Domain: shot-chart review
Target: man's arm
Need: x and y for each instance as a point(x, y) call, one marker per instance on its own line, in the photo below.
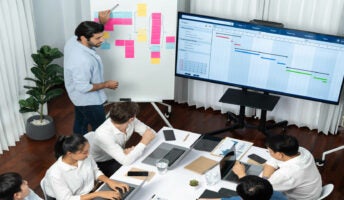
point(147, 136)
point(107, 84)
point(268, 170)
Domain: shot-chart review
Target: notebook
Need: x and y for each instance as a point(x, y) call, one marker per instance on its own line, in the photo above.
point(222, 193)
point(125, 195)
point(227, 163)
point(171, 152)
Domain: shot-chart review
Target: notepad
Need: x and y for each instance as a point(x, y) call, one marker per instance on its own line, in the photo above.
point(241, 147)
point(201, 165)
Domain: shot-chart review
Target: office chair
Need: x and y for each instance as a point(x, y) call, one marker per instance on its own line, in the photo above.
point(46, 197)
point(326, 190)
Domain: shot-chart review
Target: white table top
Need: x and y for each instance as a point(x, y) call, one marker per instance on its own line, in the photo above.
point(174, 185)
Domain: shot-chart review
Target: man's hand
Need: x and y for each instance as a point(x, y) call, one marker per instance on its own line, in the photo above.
point(128, 150)
point(147, 136)
point(239, 169)
point(111, 84)
point(104, 16)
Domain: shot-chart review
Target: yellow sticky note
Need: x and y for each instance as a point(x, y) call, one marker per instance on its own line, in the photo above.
point(142, 10)
point(142, 35)
point(106, 35)
point(155, 60)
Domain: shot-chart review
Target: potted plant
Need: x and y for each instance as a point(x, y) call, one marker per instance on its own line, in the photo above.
point(46, 76)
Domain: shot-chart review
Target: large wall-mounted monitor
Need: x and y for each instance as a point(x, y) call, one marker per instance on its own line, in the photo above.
point(275, 60)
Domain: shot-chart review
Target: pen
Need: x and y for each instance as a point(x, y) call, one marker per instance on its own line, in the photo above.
point(113, 8)
point(152, 196)
point(186, 137)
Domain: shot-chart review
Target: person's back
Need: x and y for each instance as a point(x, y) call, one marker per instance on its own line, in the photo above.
point(296, 174)
point(300, 172)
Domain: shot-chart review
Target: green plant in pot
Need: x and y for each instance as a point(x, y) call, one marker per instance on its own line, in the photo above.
point(46, 76)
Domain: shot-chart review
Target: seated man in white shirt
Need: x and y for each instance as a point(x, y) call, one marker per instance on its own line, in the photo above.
point(291, 169)
point(13, 187)
point(108, 146)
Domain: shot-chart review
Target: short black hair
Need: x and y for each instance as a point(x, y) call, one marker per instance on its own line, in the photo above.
point(10, 183)
point(252, 187)
point(87, 29)
point(121, 112)
point(286, 144)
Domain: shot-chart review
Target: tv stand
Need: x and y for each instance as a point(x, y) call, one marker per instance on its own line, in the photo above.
point(244, 98)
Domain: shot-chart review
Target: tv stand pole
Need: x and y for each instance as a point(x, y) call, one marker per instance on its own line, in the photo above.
point(244, 98)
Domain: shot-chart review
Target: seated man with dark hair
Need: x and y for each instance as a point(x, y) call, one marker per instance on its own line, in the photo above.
point(253, 187)
point(13, 187)
point(290, 170)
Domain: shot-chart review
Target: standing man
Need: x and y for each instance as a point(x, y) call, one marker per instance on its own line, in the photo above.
point(83, 74)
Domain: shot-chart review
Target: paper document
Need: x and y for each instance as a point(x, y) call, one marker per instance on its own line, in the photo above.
point(241, 147)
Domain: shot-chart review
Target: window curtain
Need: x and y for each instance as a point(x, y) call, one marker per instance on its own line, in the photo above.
point(313, 15)
point(17, 43)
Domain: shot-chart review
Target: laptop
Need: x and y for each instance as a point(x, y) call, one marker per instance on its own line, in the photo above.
point(125, 195)
point(173, 153)
point(227, 163)
point(206, 143)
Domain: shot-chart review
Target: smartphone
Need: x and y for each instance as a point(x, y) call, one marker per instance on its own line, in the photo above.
point(137, 173)
point(257, 158)
point(169, 135)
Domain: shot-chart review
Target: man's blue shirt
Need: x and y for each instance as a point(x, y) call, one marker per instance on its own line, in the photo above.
point(82, 68)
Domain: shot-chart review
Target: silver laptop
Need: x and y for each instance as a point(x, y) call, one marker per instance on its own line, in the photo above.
point(227, 163)
point(125, 195)
point(173, 153)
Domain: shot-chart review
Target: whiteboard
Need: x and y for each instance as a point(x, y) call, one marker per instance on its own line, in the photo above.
point(139, 48)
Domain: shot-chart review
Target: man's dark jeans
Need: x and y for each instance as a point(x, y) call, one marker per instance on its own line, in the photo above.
point(84, 115)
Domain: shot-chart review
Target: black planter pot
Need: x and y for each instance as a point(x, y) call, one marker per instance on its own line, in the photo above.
point(43, 132)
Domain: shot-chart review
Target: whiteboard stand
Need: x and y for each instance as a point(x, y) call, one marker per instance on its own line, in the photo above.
point(167, 115)
point(321, 162)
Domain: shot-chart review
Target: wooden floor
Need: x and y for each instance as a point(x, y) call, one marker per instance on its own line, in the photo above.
point(32, 158)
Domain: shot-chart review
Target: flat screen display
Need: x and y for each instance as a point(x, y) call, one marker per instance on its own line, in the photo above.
point(265, 58)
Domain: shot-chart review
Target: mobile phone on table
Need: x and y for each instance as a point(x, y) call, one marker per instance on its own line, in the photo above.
point(257, 158)
point(169, 135)
point(137, 173)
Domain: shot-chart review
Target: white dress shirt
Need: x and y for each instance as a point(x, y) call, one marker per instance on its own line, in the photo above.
point(67, 182)
point(298, 178)
point(32, 196)
point(109, 142)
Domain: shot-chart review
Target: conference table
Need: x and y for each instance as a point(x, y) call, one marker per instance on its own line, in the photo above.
point(174, 185)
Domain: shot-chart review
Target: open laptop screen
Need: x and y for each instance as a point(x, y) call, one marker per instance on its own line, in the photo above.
point(227, 162)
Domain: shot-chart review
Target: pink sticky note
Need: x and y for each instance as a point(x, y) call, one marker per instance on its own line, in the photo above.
point(170, 39)
point(129, 52)
point(155, 54)
point(129, 43)
point(119, 42)
point(156, 15)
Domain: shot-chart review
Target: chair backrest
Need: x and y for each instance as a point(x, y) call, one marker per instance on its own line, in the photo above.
point(46, 197)
point(326, 190)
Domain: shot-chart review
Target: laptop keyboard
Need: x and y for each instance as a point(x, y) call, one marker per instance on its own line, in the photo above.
point(125, 194)
point(173, 155)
